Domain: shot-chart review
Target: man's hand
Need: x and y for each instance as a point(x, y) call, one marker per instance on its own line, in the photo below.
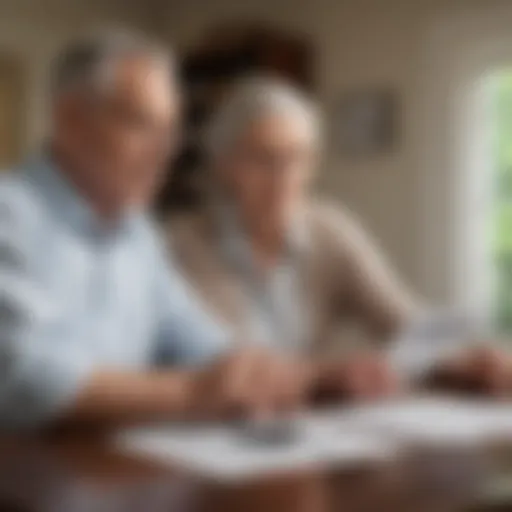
point(483, 370)
point(249, 382)
point(364, 376)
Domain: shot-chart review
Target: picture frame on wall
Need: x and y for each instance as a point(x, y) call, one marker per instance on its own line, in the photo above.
point(366, 123)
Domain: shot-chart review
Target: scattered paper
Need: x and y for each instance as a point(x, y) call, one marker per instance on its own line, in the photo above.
point(438, 421)
point(342, 437)
point(223, 453)
point(432, 338)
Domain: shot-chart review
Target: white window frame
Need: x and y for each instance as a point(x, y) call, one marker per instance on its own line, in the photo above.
point(453, 187)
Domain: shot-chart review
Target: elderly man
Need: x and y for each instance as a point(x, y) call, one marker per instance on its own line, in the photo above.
point(93, 326)
point(280, 266)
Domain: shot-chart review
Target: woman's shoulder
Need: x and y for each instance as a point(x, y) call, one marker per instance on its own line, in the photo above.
point(186, 225)
point(188, 235)
point(329, 219)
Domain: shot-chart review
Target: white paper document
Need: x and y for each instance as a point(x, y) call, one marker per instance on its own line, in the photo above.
point(342, 438)
point(224, 453)
point(439, 421)
point(432, 338)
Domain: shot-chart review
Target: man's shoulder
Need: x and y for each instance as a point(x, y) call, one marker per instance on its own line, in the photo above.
point(13, 186)
point(20, 205)
point(22, 222)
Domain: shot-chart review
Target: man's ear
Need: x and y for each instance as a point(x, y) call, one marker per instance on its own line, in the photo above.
point(223, 173)
point(62, 115)
point(71, 110)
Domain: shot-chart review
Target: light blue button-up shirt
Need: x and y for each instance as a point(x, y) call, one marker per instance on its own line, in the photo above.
point(77, 297)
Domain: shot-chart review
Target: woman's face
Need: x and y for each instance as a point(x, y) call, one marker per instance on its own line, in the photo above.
point(269, 170)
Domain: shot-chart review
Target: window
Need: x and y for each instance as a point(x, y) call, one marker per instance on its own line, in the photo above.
point(501, 208)
point(465, 163)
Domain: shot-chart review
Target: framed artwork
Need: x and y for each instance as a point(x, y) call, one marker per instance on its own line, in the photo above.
point(366, 123)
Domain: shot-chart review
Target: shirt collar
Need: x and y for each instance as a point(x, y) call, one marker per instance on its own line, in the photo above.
point(65, 198)
point(235, 245)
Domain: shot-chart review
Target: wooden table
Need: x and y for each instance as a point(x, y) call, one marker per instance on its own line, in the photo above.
point(79, 473)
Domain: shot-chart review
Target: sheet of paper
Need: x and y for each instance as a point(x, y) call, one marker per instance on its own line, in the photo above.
point(341, 437)
point(222, 453)
point(432, 338)
point(438, 421)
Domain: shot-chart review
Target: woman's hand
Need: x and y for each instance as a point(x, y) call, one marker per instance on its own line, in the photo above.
point(482, 369)
point(360, 376)
point(249, 382)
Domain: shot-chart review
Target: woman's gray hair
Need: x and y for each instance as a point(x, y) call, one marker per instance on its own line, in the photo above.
point(85, 61)
point(251, 99)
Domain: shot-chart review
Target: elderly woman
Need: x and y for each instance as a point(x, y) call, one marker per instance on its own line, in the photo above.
point(274, 263)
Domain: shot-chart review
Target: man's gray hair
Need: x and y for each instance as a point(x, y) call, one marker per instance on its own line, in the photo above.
point(86, 60)
point(253, 98)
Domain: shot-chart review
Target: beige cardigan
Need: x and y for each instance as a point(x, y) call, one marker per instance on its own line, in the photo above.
point(345, 281)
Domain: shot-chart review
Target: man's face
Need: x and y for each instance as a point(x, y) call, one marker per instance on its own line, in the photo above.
point(126, 133)
point(270, 168)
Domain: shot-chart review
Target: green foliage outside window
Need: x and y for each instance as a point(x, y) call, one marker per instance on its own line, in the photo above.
point(502, 204)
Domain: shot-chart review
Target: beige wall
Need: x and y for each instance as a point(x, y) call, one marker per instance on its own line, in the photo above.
point(11, 111)
point(415, 46)
point(380, 42)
